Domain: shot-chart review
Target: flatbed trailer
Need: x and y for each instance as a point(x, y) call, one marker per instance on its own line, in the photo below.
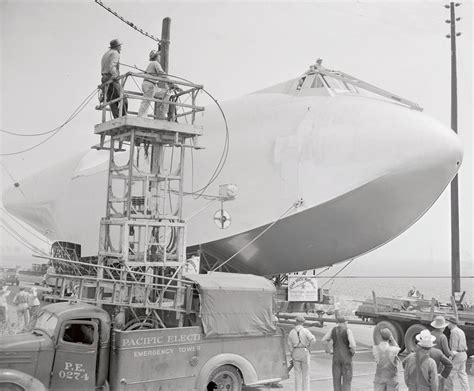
point(406, 317)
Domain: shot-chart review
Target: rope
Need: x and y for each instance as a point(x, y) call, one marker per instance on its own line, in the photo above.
point(335, 275)
point(293, 206)
point(55, 131)
point(19, 238)
point(132, 25)
point(17, 221)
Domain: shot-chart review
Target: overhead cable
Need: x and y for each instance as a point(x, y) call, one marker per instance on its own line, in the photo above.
point(55, 131)
point(132, 25)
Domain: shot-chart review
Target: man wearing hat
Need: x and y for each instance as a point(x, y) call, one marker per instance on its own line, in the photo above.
point(421, 373)
point(457, 341)
point(110, 72)
point(344, 346)
point(299, 343)
point(386, 357)
point(439, 324)
point(152, 89)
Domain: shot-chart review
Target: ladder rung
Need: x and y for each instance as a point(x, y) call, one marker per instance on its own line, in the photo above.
point(110, 254)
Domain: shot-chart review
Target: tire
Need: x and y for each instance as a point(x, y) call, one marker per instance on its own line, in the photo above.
point(410, 341)
point(394, 327)
point(226, 377)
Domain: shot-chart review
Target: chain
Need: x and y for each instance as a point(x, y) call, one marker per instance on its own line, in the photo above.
point(127, 22)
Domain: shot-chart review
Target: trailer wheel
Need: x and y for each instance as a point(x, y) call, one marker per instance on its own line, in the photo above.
point(394, 327)
point(410, 341)
point(226, 377)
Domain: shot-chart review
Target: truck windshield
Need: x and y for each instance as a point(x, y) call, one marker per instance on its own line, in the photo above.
point(46, 322)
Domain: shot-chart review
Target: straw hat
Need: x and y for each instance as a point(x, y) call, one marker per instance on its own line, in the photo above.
point(453, 320)
point(340, 319)
point(300, 319)
point(425, 339)
point(439, 322)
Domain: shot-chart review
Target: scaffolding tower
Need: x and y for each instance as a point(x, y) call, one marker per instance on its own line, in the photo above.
point(142, 238)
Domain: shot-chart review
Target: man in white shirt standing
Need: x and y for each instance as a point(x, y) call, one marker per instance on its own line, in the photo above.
point(299, 343)
point(458, 345)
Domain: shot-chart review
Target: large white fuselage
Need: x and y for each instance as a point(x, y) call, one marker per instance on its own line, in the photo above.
point(365, 167)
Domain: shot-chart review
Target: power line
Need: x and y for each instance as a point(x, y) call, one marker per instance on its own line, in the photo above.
point(55, 131)
point(132, 25)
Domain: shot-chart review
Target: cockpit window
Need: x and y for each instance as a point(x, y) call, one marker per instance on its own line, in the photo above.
point(338, 85)
point(46, 322)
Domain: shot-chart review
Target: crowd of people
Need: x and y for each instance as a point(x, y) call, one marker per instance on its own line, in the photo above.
point(436, 364)
point(27, 307)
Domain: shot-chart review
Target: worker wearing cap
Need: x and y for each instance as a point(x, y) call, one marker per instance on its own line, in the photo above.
point(299, 343)
point(110, 70)
point(457, 342)
point(344, 346)
point(386, 357)
point(154, 89)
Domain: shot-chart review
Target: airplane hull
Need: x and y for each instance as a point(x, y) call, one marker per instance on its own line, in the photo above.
point(366, 170)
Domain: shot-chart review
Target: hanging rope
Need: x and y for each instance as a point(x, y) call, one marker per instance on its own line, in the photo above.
point(132, 25)
point(297, 204)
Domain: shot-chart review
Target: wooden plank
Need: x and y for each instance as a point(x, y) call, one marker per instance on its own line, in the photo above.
point(126, 123)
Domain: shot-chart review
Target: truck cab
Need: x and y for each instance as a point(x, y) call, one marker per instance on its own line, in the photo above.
point(73, 346)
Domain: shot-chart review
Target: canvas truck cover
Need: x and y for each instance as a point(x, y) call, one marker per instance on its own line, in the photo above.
point(235, 304)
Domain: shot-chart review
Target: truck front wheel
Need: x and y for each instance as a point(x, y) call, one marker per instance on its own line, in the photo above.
point(226, 377)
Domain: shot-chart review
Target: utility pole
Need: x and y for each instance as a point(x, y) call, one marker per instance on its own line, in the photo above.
point(455, 253)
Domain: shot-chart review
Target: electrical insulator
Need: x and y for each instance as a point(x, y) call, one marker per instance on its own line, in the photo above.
point(447, 21)
point(448, 36)
point(446, 6)
point(457, 4)
point(458, 19)
point(458, 34)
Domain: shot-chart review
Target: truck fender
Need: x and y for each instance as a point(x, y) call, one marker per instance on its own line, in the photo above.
point(21, 379)
point(245, 367)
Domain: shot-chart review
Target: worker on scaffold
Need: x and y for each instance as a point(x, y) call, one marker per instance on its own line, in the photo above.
point(153, 88)
point(110, 72)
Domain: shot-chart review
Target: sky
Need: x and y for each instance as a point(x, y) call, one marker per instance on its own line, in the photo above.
point(50, 55)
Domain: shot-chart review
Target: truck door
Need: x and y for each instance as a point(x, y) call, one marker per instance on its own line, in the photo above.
point(74, 365)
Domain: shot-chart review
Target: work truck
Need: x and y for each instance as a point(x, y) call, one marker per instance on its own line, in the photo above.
point(232, 341)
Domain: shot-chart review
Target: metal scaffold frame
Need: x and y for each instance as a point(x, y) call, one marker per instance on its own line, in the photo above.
point(142, 237)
